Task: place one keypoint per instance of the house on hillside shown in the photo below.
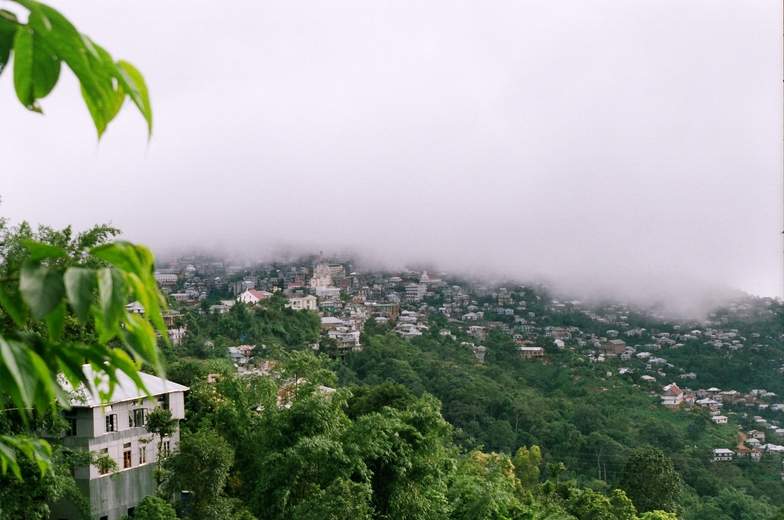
(613, 347)
(304, 303)
(722, 455)
(117, 430)
(752, 454)
(672, 397)
(531, 352)
(252, 296)
(719, 419)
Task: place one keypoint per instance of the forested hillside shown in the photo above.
(420, 428)
(565, 423)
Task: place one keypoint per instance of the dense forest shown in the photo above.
(560, 432)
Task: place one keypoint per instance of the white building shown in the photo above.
(322, 275)
(719, 419)
(304, 303)
(328, 293)
(722, 454)
(252, 296)
(165, 279)
(117, 429)
(415, 292)
(672, 397)
(531, 352)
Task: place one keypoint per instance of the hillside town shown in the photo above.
(346, 299)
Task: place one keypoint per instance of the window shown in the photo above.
(111, 423)
(131, 511)
(126, 455)
(166, 448)
(103, 469)
(163, 401)
(70, 419)
(143, 455)
(136, 418)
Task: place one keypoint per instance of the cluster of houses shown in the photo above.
(408, 298)
(321, 285)
(751, 446)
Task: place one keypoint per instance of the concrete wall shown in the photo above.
(111, 495)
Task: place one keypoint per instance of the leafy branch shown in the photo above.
(32, 364)
(48, 39)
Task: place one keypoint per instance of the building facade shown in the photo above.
(304, 303)
(118, 430)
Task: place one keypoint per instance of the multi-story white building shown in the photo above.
(308, 302)
(415, 292)
(118, 430)
(722, 454)
(672, 396)
(165, 278)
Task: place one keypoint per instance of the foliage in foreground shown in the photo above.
(62, 305)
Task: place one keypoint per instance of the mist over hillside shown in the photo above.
(665, 295)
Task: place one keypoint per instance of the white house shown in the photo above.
(165, 278)
(531, 352)
(328, 293)
(415, 292)
(719, 419)
(709, 403)
(672, 396)
(117, 429)
(722, 454)
(252, 296)
(135, 308)
(304, 303)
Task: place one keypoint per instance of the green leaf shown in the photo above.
(121, 254)
(55, 322)
(40, 251)
(80, 56)
(111, 289)
(14, 305)
(8, 459)
(105, 332)
(10, 354)
(102, 116)
(128, 81)
(140, 338)
(42, 288)
(139, 263)
(36, 68)
(8, 27)
(80, 284)
(34, 449)
(139, 94)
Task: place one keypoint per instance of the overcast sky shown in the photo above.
(633, 145)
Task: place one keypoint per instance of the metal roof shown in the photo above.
(125, 391)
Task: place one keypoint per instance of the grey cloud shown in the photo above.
(612, 144)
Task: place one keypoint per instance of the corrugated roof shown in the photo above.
(125, 391)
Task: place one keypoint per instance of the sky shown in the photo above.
(630, 147)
